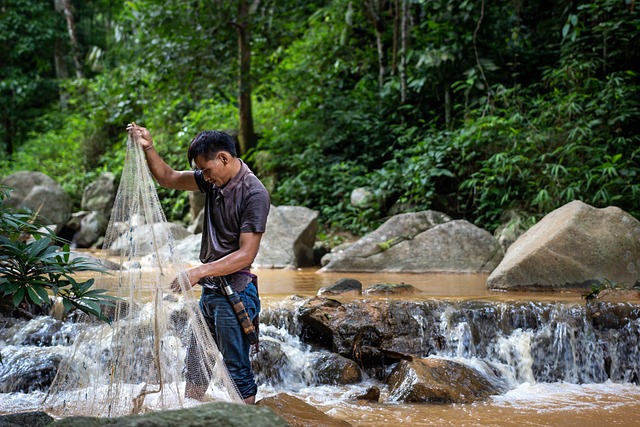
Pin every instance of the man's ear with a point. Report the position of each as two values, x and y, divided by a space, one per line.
223 157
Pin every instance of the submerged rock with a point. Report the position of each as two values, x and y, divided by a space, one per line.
297 413
372 395
438 381
391 289
331 368
345 286
27 369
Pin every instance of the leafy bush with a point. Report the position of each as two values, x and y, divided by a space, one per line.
29 271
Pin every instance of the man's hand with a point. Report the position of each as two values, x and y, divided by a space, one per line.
184 280
140 135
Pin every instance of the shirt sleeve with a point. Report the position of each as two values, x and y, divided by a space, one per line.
256 212
200 181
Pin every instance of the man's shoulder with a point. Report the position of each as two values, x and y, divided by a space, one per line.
253 183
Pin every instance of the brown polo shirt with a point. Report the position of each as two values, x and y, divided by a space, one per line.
241 206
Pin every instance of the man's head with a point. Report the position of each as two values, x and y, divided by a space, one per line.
214 153
209 143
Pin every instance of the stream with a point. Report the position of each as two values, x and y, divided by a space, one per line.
549 356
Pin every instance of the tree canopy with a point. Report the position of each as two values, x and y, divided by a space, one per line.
472 108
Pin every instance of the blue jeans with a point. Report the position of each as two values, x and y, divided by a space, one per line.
229 336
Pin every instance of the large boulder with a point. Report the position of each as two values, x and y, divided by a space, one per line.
143 237
91 227
421 242
573 247
187 249
219 414
196 212
289 239
27 369
100 194
31 419
439 381
39 193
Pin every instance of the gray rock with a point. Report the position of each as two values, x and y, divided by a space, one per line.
31 419
421 242
100 195
219 414
142 237
326 258
27 369
196 226
269 363
187 249
289 238
39 193
508 232
196 203
92 227
361 198
574 246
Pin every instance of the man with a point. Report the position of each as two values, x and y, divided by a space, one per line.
236 210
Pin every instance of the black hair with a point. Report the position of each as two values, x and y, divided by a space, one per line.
209 143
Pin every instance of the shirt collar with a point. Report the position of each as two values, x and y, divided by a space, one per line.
236 180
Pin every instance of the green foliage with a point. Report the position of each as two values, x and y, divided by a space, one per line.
514 106
597 288
28 30
29 271
574 138
66 149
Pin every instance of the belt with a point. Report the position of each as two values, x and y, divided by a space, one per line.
209 291
238 282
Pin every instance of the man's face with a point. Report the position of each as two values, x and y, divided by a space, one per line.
213 171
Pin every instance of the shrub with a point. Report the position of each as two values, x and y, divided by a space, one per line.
30 270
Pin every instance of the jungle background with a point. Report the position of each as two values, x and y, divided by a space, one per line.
478 109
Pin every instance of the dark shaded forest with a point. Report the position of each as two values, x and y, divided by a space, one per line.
481 110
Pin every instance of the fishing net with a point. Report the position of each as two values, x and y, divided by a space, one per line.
137 364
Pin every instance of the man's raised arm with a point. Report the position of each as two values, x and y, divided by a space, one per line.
164 174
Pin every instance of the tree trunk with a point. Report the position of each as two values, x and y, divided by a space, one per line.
447 105
374 8
403 53
246 133
396 31
59 56
65 7
478 63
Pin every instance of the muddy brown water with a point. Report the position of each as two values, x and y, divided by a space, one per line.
557 404
539 404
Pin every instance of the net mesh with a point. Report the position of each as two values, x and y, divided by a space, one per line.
137 364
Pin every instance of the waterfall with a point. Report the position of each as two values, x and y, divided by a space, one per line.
527 342
512 342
